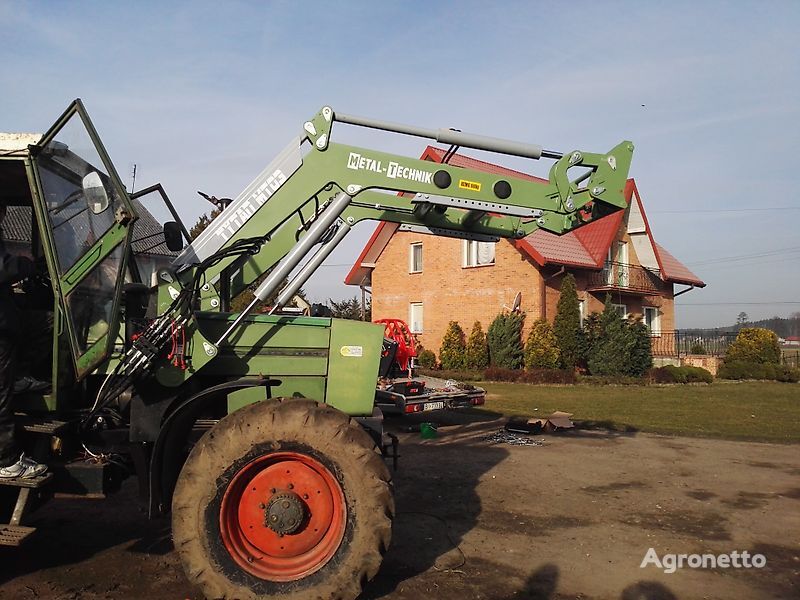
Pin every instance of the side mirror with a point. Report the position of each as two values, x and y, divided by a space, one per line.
173 237
95 192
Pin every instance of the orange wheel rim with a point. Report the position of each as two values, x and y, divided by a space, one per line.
255 500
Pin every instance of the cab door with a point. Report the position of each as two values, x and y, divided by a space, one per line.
87 219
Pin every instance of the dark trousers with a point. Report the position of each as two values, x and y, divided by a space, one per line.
8 449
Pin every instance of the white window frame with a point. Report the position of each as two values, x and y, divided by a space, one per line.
411 266
623 265
623 314
655 329
416 326
582 310
471 250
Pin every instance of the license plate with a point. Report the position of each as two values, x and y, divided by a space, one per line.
433 406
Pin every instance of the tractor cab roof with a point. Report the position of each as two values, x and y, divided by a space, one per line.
13 143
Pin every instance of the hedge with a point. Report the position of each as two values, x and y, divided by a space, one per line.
686 374
740 369
563 376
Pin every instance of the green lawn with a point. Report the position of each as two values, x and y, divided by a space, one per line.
767 411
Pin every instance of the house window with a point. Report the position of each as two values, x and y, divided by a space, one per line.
617 272
652 318
582 310
415 317
622 310
476 254
415 258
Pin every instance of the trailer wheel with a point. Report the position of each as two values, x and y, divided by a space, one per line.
283 498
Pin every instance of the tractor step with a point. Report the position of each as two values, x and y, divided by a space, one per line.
14 532
32 482
45 425
14 535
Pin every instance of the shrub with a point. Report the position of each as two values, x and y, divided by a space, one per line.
426 359
685 374
451 354
541 351
617 346
567 325
454 375
505 341
755 345
611 380
477 356
640 358
661 375
608 347
698 375
739 369
697 348
563 376
788 374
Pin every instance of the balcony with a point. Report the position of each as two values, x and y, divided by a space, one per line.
627 278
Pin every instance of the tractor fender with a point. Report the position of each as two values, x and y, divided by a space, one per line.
168 455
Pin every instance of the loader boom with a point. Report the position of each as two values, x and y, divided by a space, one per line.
313 193
300 200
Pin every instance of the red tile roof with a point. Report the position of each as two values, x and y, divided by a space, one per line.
674 270
585 247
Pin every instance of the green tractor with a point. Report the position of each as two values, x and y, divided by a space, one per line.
257 430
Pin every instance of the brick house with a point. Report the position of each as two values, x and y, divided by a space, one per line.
429 281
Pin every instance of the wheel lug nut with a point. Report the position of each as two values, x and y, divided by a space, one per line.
273 490
305 496
262 505
291 486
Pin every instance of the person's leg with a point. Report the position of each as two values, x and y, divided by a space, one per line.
13 463
8 450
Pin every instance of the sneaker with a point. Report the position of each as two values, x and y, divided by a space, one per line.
24 468
26 384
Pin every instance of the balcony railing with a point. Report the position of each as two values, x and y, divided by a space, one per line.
624 276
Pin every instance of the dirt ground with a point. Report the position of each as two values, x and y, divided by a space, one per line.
571 519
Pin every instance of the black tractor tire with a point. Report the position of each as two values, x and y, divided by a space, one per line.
248 454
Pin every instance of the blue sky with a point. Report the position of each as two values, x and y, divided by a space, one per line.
202 95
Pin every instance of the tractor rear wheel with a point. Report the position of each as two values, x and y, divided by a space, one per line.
283 498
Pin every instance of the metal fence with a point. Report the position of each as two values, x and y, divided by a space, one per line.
674 344
791 357
681 343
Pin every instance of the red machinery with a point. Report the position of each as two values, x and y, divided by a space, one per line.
399 331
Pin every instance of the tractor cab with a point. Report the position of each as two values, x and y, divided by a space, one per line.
93 243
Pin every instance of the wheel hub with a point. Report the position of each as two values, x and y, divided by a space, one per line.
284 513
283 516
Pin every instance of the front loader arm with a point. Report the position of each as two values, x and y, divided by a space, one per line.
279 207
300 201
